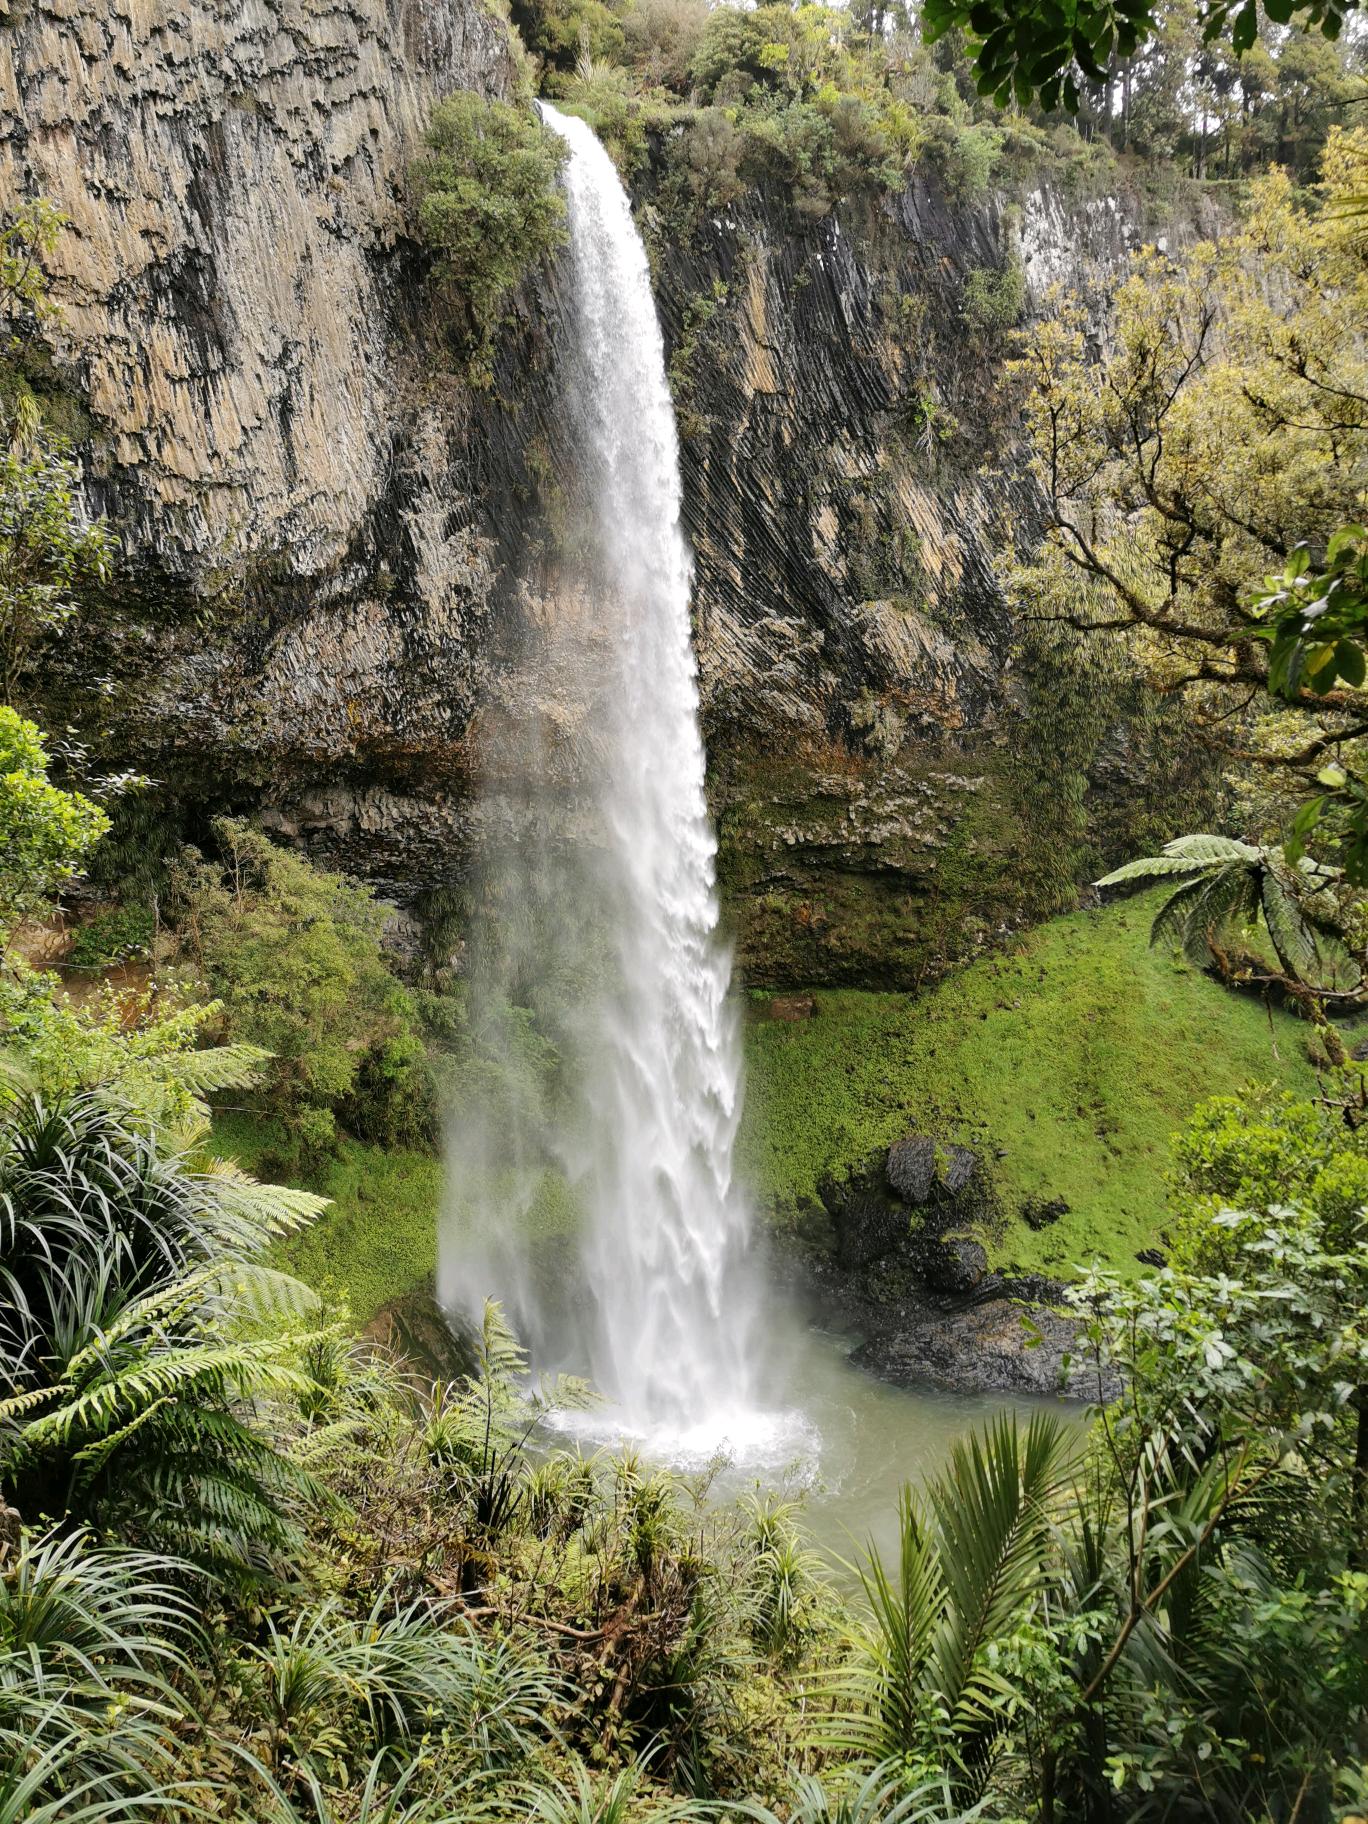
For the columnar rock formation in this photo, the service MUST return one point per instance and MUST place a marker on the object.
(337, 551)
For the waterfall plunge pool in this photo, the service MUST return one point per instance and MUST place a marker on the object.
(836, 1439)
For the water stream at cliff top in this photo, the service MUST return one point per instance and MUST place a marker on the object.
(666, 1322)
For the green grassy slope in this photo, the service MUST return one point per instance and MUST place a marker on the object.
(1078, 1054)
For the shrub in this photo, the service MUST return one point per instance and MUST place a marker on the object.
(599, 94)
(294, 954)
(993, 301)
(965, 156)
(732, 46)
(791, 145)
(662, 38)
(711, 159)
(559, 33)
(112, 936)
(488, 202)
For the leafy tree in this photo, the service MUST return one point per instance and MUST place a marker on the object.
(1025, 50)
(1258, 1151)
(1226, 887)
(49, 550)
(488, 202)
(661, 39)
(28, 236)
(294, 956)
(1317, 629)
(44, 832)
(1224, 425)
(559, 33)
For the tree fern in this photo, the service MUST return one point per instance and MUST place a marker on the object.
(1225, 887)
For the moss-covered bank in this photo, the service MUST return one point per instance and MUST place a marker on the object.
(1066, 1063)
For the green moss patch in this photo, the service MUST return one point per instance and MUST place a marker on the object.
(1067, 1063)
(379, 1241)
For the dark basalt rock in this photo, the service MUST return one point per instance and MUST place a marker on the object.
(1039, 1212)
(1151, 1257)
(996, 1345)
(957, 1264)
(911, 1168)
(868, 1226)
(958, 1167)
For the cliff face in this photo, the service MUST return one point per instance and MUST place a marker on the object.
(340, 558)
(852, 473)
(303, 590)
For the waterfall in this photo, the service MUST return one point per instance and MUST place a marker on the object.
(646, 1140)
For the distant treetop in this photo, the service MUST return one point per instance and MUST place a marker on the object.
(1046, 50)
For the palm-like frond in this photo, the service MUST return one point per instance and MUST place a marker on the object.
(992, 1520)
(883, 1796)
(94, 1674)
(581, 1800)
(1226, 887)
(1175, 924)
(408, 1670)
(1206, 848)
(972, 1559)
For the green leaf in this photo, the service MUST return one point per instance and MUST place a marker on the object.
(1349, 663)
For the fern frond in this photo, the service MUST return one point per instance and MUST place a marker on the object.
(265, 1294)
(217, 1067)
(1150, 867)
(1171, 922)
(1293, 939)
(275, 1209)
(1213, 849)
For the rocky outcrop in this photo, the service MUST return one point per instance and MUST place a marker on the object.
(341, 559)
(1001, 1344)
(852, 473)
(299, 620)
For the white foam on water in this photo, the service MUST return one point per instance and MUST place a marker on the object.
(746, 1439)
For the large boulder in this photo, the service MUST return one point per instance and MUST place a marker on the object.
(956, 1264)
(998, 1345)
(916, 1168)
(911, 1168)
(868, 1226)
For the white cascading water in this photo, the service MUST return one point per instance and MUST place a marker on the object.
(668, 1227)
(600, 922)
